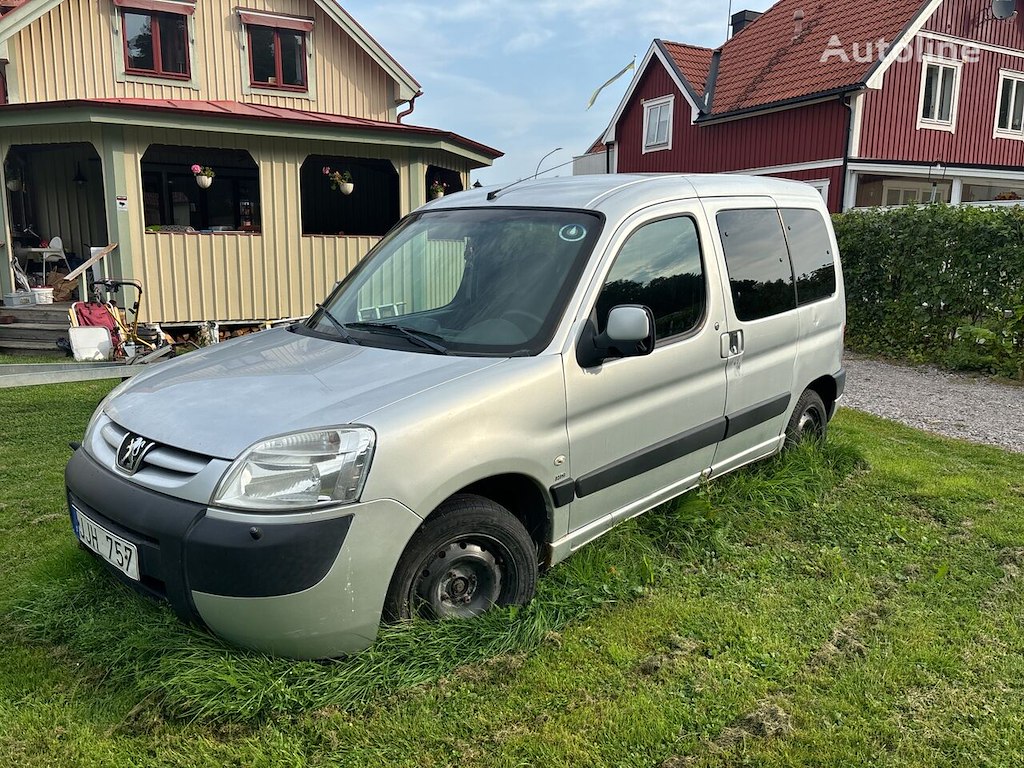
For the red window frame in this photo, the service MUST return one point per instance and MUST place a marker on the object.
(278, 69)
(154, 31)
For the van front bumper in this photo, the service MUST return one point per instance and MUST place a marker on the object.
(306, 585)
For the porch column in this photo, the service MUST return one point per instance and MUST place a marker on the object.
(416, 174)
(6, 247)
(118, 183)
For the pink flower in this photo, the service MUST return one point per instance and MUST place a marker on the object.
(327, 170)
(197, 169)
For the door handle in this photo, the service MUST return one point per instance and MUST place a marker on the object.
(732, 344)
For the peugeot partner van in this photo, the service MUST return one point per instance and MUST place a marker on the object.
(507, 375)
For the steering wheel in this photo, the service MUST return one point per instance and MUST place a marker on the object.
(534, 322)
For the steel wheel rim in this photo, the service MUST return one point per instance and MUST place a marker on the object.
(810, 424)
(462, 579)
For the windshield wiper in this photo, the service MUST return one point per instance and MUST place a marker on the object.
(340, 326)
(420, 337)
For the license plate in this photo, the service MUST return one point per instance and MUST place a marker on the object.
(121, 554)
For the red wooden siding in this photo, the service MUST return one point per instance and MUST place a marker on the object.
(800, 135)
(972, 19)
(890, 130)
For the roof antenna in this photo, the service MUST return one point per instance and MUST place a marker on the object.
(728, 22)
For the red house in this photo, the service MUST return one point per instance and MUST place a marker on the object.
(873, 103)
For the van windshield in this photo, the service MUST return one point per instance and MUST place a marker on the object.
(465, 281)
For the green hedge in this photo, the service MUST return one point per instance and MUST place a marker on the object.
(936, 283)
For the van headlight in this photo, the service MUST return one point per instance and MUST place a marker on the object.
(304, 469)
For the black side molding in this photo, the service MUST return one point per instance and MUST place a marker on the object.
(563, 492)
(756, 414)
(840, 378)
(650, 458)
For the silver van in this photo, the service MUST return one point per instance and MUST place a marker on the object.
(508, 374)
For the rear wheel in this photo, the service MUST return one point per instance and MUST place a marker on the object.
(809, 420)
(469, 556)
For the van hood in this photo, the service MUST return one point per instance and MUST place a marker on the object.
(219, 401)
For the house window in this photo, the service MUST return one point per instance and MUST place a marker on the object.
(1010, 113)
(371, 209)
(278, 49)
(940, 89)
(658, 124)
(155, 44)
(172, 201)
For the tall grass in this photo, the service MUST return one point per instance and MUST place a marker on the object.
(139, 646)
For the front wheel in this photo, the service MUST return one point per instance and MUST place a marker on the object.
(469, 556)
(809, 420)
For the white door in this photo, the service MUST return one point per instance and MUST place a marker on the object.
(759, 342)
(642, 429)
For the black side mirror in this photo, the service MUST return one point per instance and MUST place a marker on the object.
(629, 332)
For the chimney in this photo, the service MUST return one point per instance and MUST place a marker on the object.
(742, 19)
(798, 23)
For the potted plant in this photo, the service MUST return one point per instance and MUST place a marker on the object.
(204, 175)
(437, 189)
(340, 180)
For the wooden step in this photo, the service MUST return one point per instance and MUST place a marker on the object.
(38, 313)
(27, 346)
(41, 331)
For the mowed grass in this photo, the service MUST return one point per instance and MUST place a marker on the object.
(857, 603)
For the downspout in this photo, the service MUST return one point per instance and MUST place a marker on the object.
(845, 101)
(412, 106)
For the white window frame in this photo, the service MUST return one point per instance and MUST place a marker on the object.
(649, 106)
(933, 123)
(822, 186)
(1006, 133)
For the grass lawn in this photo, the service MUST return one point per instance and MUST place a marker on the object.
(858, 603)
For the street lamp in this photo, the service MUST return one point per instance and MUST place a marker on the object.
(549, 154)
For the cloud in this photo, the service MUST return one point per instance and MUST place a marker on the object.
(528, 40)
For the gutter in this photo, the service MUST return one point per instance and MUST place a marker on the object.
(412, 106)
(779, 105)
(845, 101)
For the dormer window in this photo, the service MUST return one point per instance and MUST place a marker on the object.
(156, 37)
(277, 47)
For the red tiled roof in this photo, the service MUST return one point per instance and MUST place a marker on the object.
(693, 61)
(239, 111)
(767, 62)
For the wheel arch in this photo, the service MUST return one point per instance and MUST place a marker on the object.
(825, 386)
(522, 496)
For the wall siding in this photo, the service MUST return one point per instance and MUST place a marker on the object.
(50, 54)
(800, 135)
(890, 129)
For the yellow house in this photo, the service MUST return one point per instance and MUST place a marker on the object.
(108, 107)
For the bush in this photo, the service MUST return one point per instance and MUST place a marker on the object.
(938, 283)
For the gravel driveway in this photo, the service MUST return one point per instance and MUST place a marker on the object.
(953, 404)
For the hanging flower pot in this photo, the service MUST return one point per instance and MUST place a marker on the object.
(437, 189)
(204, 175)
(339, 180)
(14, 185)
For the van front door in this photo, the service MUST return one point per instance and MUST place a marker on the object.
(759, 342)
(643, 429)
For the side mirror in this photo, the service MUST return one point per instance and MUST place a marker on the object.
(629, 332)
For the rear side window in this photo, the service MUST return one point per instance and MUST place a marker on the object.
(811, 252)
(760, 275)
(660, 267)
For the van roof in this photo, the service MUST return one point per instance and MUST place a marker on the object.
(601, 191)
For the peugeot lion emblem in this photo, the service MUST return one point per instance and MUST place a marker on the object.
(132, 451)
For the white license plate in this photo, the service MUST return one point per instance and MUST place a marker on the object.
(121, 554)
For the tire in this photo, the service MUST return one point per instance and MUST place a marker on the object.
(469, 556)
(809, 420)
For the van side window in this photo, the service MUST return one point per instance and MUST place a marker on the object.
(811, 252)
(659, 266)
(760, 275)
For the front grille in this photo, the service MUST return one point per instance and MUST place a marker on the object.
(163, 465)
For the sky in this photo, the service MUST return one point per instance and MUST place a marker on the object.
(517, 76)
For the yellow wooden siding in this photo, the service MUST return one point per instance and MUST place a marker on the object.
(69, 53)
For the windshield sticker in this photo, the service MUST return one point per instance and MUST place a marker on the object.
(572, 233)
